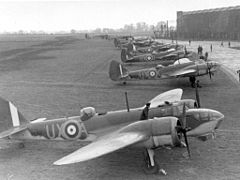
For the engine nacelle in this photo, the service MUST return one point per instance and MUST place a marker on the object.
(87, 113)
(164, 133)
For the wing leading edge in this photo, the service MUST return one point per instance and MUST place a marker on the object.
(182, 72)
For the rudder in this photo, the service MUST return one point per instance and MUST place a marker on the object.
(10, 116)
(117, 71)
(124, 55)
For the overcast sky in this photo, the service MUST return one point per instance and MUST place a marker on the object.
(90, 14)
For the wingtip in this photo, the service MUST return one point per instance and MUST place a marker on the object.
(69, 159)
(60, 162)
(56, 163)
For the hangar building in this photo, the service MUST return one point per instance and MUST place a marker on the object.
(217, 24)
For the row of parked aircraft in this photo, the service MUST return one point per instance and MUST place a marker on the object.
(171, 119)
(159, 61)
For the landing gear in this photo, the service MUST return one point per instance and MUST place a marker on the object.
(197, 84)
(150, 165)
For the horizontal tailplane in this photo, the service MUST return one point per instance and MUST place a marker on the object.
(13, 131)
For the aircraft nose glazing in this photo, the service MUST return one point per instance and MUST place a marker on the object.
(205, 114)
(203, 121)
(217, 116)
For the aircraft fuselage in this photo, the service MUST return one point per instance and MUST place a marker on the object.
(75, 128)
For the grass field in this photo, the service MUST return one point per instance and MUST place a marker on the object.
(54, 77)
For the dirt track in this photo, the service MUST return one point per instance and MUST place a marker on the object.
(55, 77)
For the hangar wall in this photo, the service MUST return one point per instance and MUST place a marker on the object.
(217, 24)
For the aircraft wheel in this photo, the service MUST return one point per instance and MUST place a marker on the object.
(147, 167)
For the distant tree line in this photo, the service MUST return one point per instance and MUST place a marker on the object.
(161, 26)
(161, 29)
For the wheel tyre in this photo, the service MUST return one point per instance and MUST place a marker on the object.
(148, 169)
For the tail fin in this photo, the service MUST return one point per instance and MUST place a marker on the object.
(117, 71)
(9, 116)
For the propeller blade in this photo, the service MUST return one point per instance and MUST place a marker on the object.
(184, 116)
(184, 129)
(186, 142)
(197, 95)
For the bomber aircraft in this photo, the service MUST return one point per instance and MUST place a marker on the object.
(121, 40)
(169, 119)
(154, 48)
(164, 58)
(181, 68)
(138, 42)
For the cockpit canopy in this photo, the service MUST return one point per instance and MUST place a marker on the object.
(182, 61)
(159, 66)
(87, 112)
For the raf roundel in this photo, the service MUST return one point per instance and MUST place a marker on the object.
(152, 73)
(71, 130)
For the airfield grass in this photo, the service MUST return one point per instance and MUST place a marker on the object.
(56, 76)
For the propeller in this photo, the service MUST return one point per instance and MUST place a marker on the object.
(197, 95)
(183, 129)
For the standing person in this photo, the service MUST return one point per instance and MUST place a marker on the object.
(211, 47)
(144, 115)
(222, 43)
(206, 56)
(189, 42)
(198, 49)
(229, 44)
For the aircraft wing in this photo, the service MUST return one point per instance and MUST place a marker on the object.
(170, 96)
(104, 145)
(182, 72)
(12, 131)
